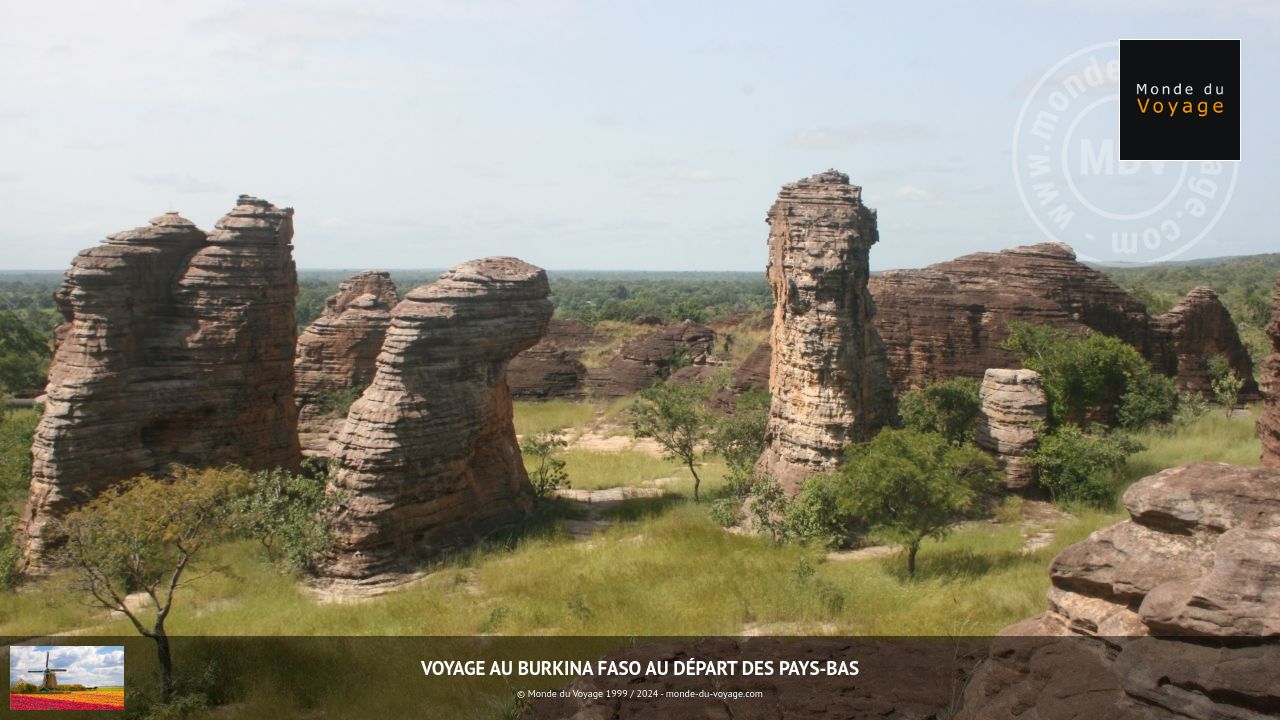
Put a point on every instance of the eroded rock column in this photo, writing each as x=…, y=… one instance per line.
x=177, y=347
x=827, y=376
x=337, y=353
x=428, y=455
x=1013, y=411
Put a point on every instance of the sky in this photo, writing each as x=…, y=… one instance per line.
x=575, y=135
x=89, y=665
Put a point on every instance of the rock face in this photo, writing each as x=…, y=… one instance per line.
x=553, y=368
x=177, y=348
x=827, y=379
x=337, y=352
x=950, y=319
x=1198, y=565
x=1269, y=423
x=650, y=357
x=1013, y=407
x=428, y=456
x=1193, y=331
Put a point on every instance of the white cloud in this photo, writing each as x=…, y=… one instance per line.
x=835, y=138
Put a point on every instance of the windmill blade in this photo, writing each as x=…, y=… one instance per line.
x=58, y=669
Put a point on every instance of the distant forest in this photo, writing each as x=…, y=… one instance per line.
x=28, y=315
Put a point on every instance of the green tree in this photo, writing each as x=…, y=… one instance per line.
x=1224, y=382
x=287, y=512
x=548, y=472
x=142, y=536
x=947, y=407
x=908, y=485
x=24, y=354
x=676, y=417
x=739, y=438
x=1079, y=466
x=1093, y=377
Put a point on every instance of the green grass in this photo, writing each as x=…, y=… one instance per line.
x=1210, y=437
x=536, y=417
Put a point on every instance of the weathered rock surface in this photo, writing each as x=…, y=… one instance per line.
x=827, y=380
x=1013, y=410
x=650, y=357
x=553, y=368
x=177, y=347
x=1174, y=613
x=336, y=353
x=1193, y=331
x=427, y=457
x=1269, y=422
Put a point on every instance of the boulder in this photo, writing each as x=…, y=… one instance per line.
x=427, y=458
x=1174, y=613
x=650, y=357
x=553, y=368
x=336, y=353
x=176, y=347
x=1012, y=414
x=827, y=379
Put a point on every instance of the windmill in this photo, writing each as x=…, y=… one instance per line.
x=50, y=674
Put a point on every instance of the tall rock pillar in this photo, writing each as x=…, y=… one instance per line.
x=827, y=378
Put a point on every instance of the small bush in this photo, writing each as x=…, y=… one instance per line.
x=1010, y=510
x=548, y=471
x=1076, y=466
x=286, y=512
x=337, y=403
x=814, y=515
x=947, y=407
x=739, y=438
x=726, y=512
x=22, y=687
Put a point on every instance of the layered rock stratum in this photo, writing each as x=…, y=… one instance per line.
x=1187, y=338
x=1012, y=413
x=1173, y=613
x=427, y=458
x=177, y=347
x=652, y=356
x=553, y=368
x=1269, y=422
x=952, y=318
x=827, y=376
x=336, y=354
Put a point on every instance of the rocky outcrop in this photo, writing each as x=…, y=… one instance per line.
x=427, y=457
x=951, y=319
x=1269, y=422
x=650, y=357
x=1174, y=613
x=336, y=354
x=1013, y=412
x=827, y=379
x=553, y=368
x=177, y=347
x=1188, y=336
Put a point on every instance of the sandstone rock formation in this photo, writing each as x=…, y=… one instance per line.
x=553, y=368
x=1269, y=423
x=336, y=353
x=177, y=348
x=1190, y=334
x=427, y=457
x=1014, y=407
x=950, y=319
x=650, y=357
x=827, y=380
x=1174, y=613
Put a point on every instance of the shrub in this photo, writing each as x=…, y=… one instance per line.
x=908, y=486
x=10, y=553
x=739, y=438
x=1093, y=377
x=814, y=515
x=726, y=512
x=947, y=407
x=548, y=473
x=1224, y=382
x=286, y=512
x=22, y=687
x=1079, y=466
x=337, y=403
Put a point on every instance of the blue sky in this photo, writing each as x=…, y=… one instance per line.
x=89, y=665
x=598, y=135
